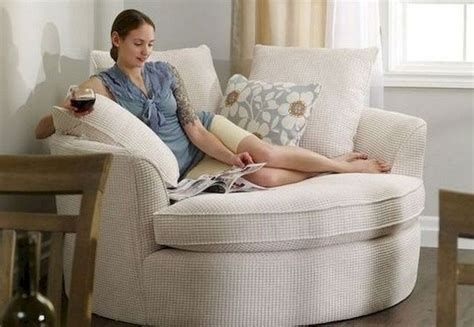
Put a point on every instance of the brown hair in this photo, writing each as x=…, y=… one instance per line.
x=127, y=21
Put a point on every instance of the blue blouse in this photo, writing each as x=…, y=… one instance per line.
x=158, y=108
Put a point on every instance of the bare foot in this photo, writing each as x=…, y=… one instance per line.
x=371, y=166
x=348, y=157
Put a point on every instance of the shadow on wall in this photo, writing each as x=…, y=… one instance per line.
x=56, y=73
x=23, y=107
x=12, y=82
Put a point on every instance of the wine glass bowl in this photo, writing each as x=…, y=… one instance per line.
x=81, y=99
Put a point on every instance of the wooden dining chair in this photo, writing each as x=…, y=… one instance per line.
x=456, y=214
x=56, y=175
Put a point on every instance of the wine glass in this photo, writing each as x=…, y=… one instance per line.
x=82, y=100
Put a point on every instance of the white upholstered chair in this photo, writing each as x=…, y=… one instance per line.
x=328, y=248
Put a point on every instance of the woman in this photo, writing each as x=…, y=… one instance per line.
x=155, y=93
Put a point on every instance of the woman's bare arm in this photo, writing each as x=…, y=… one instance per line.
x=200, y=136
x=45, y=127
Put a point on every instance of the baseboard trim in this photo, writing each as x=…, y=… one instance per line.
x=429, y=234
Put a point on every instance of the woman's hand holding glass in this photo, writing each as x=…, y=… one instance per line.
x=80, y=101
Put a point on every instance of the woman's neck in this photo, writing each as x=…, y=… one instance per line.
x=135, y=73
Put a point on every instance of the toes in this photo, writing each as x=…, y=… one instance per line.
x=385, y=168
x=363, y=156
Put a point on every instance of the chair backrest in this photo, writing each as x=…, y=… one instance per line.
x=47, y=174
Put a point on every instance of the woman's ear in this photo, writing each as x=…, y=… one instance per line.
x=115, y=39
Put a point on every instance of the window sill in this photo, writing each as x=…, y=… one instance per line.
x=406, y=79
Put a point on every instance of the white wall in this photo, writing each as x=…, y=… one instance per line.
x=189, y=23
x=105, y=13
x=2, y=66
x=449, y=159
x=45, y=47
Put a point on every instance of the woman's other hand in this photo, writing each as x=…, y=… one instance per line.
x=242, y=159
x=45, y=127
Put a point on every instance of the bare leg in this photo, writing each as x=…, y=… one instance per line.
x=271, y=177
x=299, y=159
x=351, y=156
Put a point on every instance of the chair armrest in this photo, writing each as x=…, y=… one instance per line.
x=397, y=138
x=134, y=191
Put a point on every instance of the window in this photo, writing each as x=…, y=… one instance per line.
x=429, y=43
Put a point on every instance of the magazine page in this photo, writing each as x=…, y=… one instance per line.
x=219, y=183
x=230, y=176
x=189, y=187
x=243, y=185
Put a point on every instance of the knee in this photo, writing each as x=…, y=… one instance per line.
x=264, y=153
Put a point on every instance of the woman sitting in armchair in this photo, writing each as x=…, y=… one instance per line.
x=139, y=86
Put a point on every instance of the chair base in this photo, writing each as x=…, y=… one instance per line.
x=302, y=287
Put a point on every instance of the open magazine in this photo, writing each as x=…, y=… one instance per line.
x=227, y=181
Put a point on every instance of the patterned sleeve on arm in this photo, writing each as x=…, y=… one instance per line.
x=186, y=112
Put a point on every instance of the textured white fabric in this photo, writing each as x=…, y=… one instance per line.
x=195, y=67
x=140, y=282
x=134, y=190
x=110, y=123
x=344, y=77
x=307, y=214
x=339, y=276
x=287, y=288
x=396, y=138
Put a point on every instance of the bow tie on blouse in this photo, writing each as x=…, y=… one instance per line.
x=152, y=116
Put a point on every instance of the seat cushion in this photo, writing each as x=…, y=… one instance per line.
x=325, y=210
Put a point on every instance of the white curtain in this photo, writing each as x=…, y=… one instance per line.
x=356, y=24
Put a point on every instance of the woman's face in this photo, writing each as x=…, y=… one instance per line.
x=136, y=47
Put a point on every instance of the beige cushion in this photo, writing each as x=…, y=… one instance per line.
x=195, y=67
x=111, y=124
x=344, y=76
x=320, y=211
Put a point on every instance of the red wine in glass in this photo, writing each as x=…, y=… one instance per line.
x=82, y=99
x=83, y=103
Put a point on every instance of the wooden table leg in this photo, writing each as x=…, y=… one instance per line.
x=447, y=278
x=7, y=263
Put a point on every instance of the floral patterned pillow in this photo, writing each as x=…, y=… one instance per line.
x=275, y=112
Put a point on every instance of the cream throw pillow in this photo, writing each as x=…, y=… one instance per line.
x=344, y=75
x=112, y=124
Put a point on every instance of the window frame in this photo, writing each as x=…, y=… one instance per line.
x=398, y=73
